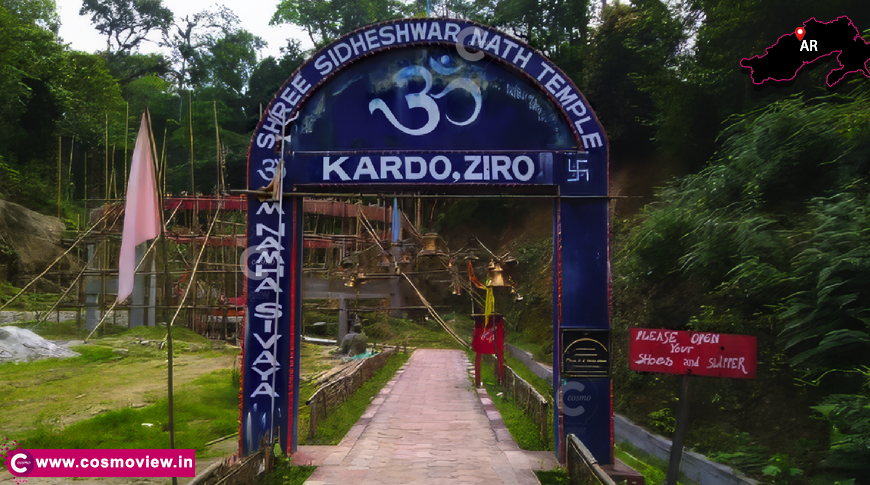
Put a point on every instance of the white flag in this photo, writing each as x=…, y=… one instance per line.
x=141, y=217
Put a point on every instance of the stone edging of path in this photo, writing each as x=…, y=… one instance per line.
x=317, y=455
x=519, y=458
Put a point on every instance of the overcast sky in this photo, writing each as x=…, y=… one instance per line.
x=254, y=14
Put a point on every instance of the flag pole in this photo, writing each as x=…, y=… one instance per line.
x=167, y=291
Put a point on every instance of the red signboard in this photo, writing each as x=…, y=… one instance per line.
x=693, y=353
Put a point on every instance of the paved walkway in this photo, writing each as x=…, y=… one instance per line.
x=427, y=426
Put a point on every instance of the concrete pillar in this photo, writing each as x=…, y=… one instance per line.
x=92, y=292
x=152, y=293
x=342, y=318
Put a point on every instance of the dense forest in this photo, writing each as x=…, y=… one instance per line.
x=766, y=231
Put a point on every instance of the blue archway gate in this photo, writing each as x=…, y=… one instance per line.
x=435, y=106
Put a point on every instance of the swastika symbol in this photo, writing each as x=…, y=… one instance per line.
x=575, y=171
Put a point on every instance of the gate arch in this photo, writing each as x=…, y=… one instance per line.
x=438, y=106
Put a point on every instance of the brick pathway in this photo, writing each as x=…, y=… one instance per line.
x=427, y=426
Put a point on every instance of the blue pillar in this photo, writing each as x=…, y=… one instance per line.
x=581, y=314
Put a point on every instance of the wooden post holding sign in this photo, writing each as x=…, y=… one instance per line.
x=687, y=354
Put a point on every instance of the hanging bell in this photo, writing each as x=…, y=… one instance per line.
x=385, y=261
x=430, y=245
x=495, y=275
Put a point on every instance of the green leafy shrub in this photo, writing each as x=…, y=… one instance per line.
x=780, y=471
x=849, y=415
x=663, y=420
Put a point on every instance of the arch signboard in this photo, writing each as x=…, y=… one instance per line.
x=429, y=106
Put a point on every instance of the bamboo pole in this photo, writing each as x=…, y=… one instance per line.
x=72, y=143
x=108, y=185
x=196, y=266
x=126, y=135
x=167, y=291
x=59, y=176
x=136, y=270
x=28, y=285
x=190, y=123
x=217, y=139
x=162, y=164
x=114, y=173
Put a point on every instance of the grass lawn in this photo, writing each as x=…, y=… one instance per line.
x=520, y=425
x=653, y=469
x=339, y=420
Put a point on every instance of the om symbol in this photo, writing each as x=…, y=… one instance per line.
x=270, y=167
x=426, y=101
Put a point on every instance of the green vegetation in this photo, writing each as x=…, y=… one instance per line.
x=67, y=330
x=27, y=301
x=285, y=473
x=39, y=398
x=339, y=420
x=205, y=409
x=755, y=245
x=412, y=333
x=653, y=469
x=540, y=385
x=558, y=476
x=520, y=425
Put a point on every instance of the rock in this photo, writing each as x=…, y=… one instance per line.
x=354, y=343
x=34, y=240
x=121, y=352
x=22, y=345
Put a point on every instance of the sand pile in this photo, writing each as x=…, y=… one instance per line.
x=21, y=345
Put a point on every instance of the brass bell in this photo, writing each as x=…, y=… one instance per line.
x=386, y=261
x=495, y=275
x=430, y=245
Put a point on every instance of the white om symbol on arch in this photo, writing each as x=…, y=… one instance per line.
x=427, y=101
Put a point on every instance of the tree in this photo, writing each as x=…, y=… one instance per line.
x=42, y=13
x=552, y=26
x=126, y=23
x=269, y=75
x=127, y=66
x=191, y=37
x=29, y=60
x=326, y=20
x=231, y=60
x=631, y=48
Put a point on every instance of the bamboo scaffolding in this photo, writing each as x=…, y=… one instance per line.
x=139, y=265
x=195, y=268
x=59, y=258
